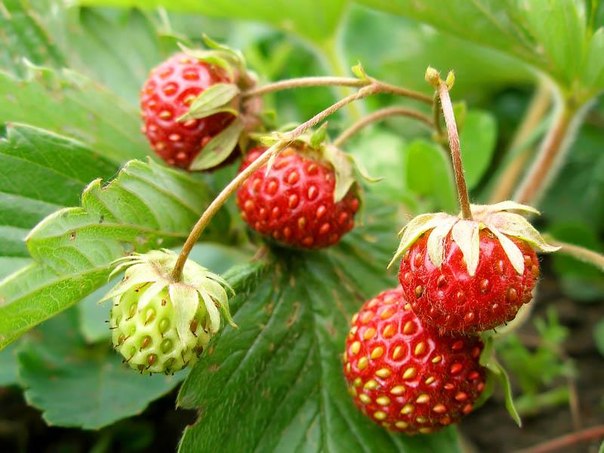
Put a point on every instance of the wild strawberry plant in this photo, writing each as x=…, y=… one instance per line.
x=262, y=286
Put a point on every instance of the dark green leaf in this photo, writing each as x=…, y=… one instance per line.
x=8, y=366
x=478, y=138
x=428, y=174
x=75, y=384
x=146, y=206
x=279, y=374
x=599, y=336
x=314, y=20
x=71, y=105
x=23, y=37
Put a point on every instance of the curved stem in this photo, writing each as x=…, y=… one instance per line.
x=550, y=155
x=304, y=82
x=593, y=433
x=455, y=148
x=379, y=115
x=580, y=253
x=336, y=81
x=538, y=108
x=223, y=196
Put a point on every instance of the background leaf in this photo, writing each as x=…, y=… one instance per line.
x=313, y=20
x=145, y=207
x=8, y=366
x=75, y=384
x=478, y=137
x=279, y=374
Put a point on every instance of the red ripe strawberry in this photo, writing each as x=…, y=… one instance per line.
x=167, y=95
x=294, y=204
x=405, y=376
x=466, y=276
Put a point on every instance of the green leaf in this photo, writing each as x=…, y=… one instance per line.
x=293, y=313
x=40, y=172
x=87, y=386
x=428, y=174
x=23, y=37
x=314, y=20
x=69, y=104
x=8, y=366
x=212, y=100
x=219, y=148
x=548, y=34
x=478, y=138
x=145, y=207
x=599, y=336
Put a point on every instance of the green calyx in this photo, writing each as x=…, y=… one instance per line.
x=504, y=220
x=159, y=325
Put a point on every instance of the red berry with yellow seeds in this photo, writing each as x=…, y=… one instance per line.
x=294, y=204
x=407, y=377
x=167, y=95
x=466, y=276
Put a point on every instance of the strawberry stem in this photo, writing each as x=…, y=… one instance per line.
x=223, y=196
x=304, y=82
x=454, y=147
x=379, y=115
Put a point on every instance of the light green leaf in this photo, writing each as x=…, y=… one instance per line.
x=23, y=37
x=71, y=105
x=213, y=99
x=145, y=207
x=8, y=366
x=314, y=20
x=428, y=174
x=478, y=137
x=219, y=148
x=293, y=313
x=75, y=384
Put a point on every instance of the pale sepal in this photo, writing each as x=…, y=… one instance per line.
x=415, y=228
x=150, y=293
x=511, y=251
x=212, y=310
x=343, y=167
x=185, y=300
x=480, y=210
x=436, y=241
x=465, y=233
x=515, y=225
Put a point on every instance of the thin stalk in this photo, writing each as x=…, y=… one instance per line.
x=549, y=157
x=455, y=148
x=379, y=115
x=562, y=443
x=238, y=181
x=539, y=106
x=580, y=253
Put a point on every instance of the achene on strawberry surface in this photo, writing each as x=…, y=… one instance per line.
x=405, y=376
x=466, y=276
x=294, y=204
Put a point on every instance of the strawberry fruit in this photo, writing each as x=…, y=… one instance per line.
x=294, y=204
x=167, y=95
x=405, y=376
x=466, y=276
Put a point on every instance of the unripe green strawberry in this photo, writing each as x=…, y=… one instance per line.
x=161, y=326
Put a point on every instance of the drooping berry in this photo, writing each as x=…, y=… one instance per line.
x=466, y=276
x=161, y=326
x=405, y=376
x=294, y=204
x=167, y=95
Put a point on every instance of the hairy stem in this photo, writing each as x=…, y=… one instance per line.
x=549, y=157
x=224, y=195
x=379, y=115
x=561, y=443
x=455, y=148
x=576, y=251
x=539, y=106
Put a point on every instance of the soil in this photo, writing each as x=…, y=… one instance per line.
x=488, y=429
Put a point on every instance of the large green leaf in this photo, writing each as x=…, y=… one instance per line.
x=23, y=36
x=314, y=20
x=72, y=105
x=75, y=384
x=478, y=138
x=549, y=34
x=8, y=366
x=279, y=374
x=145, y=207
x=40, y=172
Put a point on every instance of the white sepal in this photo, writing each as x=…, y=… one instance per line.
x=186, y=302
x=436, y=241
x=465, y=234
x=150, y=293
x=213, y=313
x=517, y=226
x=480, y=210
x=511, y=250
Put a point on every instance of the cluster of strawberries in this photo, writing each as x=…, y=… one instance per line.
x=411, y=359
